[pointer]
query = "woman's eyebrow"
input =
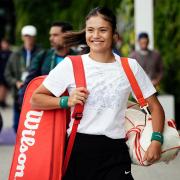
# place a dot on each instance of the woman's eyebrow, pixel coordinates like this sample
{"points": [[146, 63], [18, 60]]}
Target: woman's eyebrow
{"points": [[98, 27]]}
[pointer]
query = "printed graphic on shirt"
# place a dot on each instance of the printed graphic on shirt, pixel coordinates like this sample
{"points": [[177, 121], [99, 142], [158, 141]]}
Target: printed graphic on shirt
{"points": [[106, 89]]}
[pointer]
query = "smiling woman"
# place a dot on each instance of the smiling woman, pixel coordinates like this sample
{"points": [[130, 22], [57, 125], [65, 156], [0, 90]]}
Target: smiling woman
{"points": [[99, 37], [100, 151]]}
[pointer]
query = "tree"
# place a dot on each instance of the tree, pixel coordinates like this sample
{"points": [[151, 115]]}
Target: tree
{"points": [[7, 20], [42, 13], [167, 38]]}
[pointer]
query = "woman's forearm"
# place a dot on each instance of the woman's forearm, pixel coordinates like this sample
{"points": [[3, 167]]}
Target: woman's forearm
{"points": [[157, 114], [158, 118], [44, 102], [43, 99]]}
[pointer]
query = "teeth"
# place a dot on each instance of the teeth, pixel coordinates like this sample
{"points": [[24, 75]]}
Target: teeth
{"points": [[96, 41]]}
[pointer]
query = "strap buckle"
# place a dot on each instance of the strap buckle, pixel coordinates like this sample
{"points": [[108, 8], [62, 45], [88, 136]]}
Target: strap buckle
{"points": [[78, 116], [145, 109]]}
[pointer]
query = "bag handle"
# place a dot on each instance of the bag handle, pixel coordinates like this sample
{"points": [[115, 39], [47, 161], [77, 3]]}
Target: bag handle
{"points": [[134, 84], [80, 81]]}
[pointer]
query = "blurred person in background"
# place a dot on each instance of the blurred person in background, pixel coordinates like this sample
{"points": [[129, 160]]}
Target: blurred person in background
{"points": [[48, 59], [17, 66], [117, 43], [150, 60], [4, 55], [1, 122]]}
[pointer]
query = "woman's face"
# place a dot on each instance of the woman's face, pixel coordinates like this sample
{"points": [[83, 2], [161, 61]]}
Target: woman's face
{"points": [[99, 34]]}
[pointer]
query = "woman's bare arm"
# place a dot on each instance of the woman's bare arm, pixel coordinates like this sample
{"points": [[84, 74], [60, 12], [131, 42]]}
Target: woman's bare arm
{"points": [[157, 113], [43, 99], [154, 151]]}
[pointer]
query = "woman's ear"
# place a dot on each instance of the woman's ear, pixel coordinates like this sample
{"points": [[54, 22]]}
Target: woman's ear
{"points": [[115, 37]]}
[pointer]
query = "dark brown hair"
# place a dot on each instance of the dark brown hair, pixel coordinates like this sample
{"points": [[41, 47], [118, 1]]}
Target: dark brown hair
{"points": [[107, 15], [65, 26]]}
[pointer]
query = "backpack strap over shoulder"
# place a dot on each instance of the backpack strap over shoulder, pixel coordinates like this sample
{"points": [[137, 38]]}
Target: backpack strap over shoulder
{"points": [[80, 81], [134, 84]]}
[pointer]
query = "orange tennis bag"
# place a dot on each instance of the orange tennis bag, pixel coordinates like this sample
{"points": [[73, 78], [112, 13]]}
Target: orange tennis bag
{"points": [[41, 137]]}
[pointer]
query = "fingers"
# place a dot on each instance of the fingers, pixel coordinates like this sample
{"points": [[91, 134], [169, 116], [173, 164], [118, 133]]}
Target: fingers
{"points": [[151, 160], [82, 94], [83, 89], [152, 154], [78, 96], [81, 98], [152, 157], [148, 157], [77, 102]]}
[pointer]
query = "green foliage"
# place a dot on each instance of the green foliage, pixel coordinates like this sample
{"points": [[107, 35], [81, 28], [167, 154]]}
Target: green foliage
{"points": [[125, 13], [167, 38], [35, 12], [42, 13]]}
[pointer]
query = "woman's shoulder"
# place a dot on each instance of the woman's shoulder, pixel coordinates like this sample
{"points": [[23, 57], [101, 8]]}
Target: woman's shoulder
{"points": [[130, 60], [66, 63], [132, 63], [70, 58]]}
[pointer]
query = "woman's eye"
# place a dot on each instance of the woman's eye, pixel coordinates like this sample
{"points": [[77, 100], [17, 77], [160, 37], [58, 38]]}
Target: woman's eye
{"points": [[90, 30], [103, 30]]}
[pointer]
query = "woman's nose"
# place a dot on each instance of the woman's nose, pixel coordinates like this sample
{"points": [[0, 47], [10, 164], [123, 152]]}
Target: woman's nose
{"points": [[96, 34]]}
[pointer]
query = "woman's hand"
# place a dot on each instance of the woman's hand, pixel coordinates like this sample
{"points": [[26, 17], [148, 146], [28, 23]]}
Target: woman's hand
{"points": [[78, 96], [153, 152]]}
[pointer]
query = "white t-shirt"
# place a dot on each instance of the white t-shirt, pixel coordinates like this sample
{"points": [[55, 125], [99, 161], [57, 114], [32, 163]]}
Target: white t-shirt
{"points": [[104, 110]]}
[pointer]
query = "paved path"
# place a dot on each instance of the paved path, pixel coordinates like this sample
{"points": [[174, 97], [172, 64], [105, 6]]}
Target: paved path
{"points": [[156, 172]]}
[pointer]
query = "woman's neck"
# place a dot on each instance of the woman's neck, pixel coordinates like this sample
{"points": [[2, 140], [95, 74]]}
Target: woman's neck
{"points": [[106, 57]]}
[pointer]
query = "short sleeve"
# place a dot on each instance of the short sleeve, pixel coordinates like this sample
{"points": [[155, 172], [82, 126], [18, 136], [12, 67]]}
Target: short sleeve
{"points": [[59, 78], [143, 80]]}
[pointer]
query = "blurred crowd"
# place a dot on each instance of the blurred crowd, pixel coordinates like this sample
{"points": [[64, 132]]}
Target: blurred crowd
{"points": [[19, 67]]}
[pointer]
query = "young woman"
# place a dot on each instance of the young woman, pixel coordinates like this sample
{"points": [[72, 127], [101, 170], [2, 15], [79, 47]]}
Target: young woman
{"points": [[100, 151]]}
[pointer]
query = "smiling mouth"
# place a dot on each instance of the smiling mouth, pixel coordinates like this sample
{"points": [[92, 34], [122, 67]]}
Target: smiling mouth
{"points": [[97, 42]]}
